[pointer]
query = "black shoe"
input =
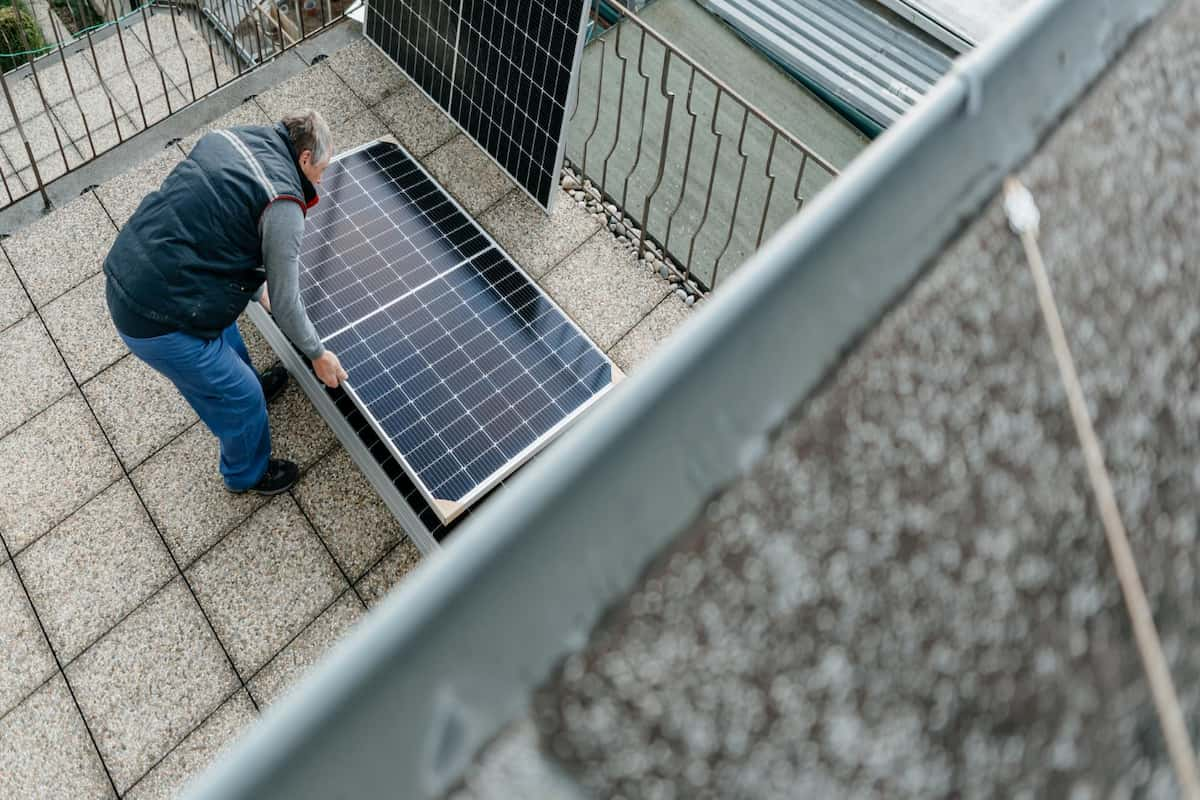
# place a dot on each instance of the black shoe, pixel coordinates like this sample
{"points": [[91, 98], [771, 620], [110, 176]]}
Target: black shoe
{"points": [[273, 381], [280, 476]]}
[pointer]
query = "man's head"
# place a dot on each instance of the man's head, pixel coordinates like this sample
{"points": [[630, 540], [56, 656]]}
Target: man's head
{"points": [[313, 142]]}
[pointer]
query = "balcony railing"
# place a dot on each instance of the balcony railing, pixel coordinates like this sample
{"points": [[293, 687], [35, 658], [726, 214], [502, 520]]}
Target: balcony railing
{"points": [[72, 101], [697, 173], [693, 175]]}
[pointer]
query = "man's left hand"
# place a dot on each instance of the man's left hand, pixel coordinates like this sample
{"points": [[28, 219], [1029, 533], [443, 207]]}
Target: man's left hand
{"points": [[264, 300], [329, 369]]}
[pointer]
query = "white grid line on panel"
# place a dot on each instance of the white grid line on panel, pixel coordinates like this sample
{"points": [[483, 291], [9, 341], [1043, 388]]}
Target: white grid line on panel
{"points": [[503, 126], [455, 468], [358, 228], [514, 356]]}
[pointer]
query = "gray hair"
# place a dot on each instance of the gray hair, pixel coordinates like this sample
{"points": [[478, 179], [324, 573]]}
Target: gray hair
{"points": [[308, 131]]}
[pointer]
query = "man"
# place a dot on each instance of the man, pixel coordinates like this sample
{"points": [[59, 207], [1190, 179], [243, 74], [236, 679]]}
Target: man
{"points": [[195, 252]]}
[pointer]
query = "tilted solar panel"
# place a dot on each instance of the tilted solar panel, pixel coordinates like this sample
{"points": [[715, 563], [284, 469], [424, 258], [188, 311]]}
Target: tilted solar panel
{"points": [[502, 69], [459, 361]]}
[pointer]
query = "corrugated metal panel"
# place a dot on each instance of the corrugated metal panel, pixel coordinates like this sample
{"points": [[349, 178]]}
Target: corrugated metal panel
{"points": [[853, 54], [959, 23]]}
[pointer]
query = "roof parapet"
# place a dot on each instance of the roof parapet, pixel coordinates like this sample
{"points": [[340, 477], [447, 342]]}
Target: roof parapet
{"points": [[401, 707]]}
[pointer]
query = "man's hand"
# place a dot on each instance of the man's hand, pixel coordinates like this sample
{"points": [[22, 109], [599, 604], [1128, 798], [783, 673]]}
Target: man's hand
{"points": [[328, 368], [264, 300]]}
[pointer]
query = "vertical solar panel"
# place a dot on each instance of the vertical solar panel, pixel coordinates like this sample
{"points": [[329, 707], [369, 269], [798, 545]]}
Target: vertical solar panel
{"points": [[461, 364], [502, 69]]}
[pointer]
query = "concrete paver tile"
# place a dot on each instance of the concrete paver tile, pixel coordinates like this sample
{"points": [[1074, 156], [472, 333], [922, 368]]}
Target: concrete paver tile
{"points": [[297, 431], [419, 125], [121, 195], [247, 113], [536, 240], [62, 249], [468, 174], [153, 78], [120, 87], [197, 752], [138, 408], [264, 582], [25, 659], [14, 303], [80, 325], [109, 58], [43, 375], [295, 660], [154, 102], [605, 289], [647, 335], [389, 572], [93, 108], [317, 87], [53, 465], [359, 129], [163, 31], [104, 138], [261, 354], [45, 750], [94, 568], [150, 681], [183, 489], [44, 138], [368, 72], [26, 98], [347, 512], [53, 78]]}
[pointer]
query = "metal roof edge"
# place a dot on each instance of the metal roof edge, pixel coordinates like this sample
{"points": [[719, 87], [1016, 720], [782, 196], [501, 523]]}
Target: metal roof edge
{"points": [[401, 707]]}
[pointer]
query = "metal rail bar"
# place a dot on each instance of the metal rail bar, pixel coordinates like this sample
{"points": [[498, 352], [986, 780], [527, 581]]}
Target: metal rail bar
{"points": [[401, 707], [62, 56], [206, 19], [628, 193], [725, 87], [410, 523]]}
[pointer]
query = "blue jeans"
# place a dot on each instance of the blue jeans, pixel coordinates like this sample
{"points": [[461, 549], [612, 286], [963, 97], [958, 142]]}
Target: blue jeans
{"points": [[217, 379]]}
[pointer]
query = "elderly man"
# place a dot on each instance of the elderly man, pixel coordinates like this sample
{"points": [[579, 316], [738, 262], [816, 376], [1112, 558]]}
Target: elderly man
{"points": [[229, 217]]}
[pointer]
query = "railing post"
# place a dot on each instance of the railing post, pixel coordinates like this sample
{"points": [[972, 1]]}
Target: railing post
{"points": [[187, 67], [45, 107], [137, 92], [770, 189], [112, 108], [662, 154], [71, 84], [162, 74]]}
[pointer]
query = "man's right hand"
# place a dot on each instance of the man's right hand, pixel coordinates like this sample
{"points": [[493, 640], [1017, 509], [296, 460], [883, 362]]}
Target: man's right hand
{"points": [[329, 369]]}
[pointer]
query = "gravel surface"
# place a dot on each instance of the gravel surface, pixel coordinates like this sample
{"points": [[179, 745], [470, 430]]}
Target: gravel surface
{"points": [[911, 596]]}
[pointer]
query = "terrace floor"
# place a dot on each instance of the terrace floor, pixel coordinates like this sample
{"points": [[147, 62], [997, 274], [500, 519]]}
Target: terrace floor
{"points": [[147, 616]]}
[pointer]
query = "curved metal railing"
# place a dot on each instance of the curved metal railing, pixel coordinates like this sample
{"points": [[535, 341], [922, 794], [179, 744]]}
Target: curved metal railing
{"points": [[633, 149]]}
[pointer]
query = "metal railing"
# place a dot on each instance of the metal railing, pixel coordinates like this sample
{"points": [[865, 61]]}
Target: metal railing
{"points": [[72, 101], [690, 168], [403, 704]]}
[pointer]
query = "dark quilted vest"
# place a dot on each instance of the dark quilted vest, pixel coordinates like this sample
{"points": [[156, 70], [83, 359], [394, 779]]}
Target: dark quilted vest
{"points": [[190, 257]]}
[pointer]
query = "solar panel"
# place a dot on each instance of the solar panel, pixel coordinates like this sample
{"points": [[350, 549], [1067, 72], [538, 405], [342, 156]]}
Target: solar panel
{"points": [[501, 69], [458, 360]]}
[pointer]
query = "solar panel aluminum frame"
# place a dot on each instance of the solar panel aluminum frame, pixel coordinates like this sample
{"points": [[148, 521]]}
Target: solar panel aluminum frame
{"points": [[295, 363], [571, 98], [448, 510]]}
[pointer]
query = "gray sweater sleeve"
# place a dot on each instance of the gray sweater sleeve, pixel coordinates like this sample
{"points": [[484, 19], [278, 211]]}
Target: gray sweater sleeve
{"points": [[282, 228]]}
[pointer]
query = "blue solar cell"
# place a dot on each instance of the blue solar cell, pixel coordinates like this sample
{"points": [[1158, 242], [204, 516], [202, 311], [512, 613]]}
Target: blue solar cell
{"points": [[454, 354], [501, 69]]}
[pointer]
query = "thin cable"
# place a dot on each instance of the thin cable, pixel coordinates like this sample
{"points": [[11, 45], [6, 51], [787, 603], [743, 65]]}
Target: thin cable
{"points": [[1023, 217]]}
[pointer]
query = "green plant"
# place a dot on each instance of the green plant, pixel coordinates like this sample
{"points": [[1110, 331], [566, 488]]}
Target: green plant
{"points": [[12, 20], [76, 15]]}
